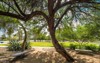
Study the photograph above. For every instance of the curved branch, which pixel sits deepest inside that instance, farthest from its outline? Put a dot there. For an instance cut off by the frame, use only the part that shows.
(16, 4)
(71, 2)
(25, 36)
(29, 16)
(12, 15)
(25, 18)
(62, 16)
(62, 5)
(10, 6)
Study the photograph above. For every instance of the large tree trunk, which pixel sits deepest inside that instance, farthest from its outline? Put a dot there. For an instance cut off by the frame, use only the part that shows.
(57, 46)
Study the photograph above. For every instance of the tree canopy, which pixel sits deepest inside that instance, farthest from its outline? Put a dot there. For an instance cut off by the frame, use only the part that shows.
(53, 11)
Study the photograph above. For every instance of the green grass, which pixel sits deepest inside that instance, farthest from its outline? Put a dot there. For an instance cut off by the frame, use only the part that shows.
(44, 44)
(49, 44)
(3, 44)
(71, 45)
(65, 44)
(41, 44)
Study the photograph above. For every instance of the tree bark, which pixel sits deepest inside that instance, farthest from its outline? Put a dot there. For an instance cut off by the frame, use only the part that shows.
(57, 46)
(25, 37)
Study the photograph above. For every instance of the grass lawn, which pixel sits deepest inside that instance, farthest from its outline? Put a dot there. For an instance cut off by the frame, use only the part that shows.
(44, 44)
(49, 44)
(41, 44)
(71, 45)
(3, 44)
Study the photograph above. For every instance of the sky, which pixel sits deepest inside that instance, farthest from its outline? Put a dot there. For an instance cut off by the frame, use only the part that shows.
(1, 33)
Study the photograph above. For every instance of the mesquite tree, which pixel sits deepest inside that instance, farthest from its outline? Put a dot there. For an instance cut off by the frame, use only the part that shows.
(26, 9)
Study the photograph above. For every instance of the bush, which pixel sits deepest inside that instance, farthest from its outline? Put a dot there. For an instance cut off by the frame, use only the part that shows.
(16, 46)
(91, 47)
(27, 46)
(99, 48)
(73, 46)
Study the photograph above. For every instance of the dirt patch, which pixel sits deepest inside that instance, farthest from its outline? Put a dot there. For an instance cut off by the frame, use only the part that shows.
(49, 55)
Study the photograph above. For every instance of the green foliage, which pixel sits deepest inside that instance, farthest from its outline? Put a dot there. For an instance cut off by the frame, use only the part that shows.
(65, 33)
(72, 46)
(85, 45)
(87, 31)
(91, 47)
(14, 46)
(99, 48)
(27, 45)
(64, 44)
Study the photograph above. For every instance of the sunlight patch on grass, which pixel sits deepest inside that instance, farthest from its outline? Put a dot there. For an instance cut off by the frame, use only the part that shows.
(3, 44)
(41, 44)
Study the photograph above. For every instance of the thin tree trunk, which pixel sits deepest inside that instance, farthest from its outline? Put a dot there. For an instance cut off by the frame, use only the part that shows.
(25, 37)
(19, 35)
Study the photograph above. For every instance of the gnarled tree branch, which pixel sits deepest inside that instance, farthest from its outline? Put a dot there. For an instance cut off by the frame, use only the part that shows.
(16, 4)
(12, 15)
(29, 16)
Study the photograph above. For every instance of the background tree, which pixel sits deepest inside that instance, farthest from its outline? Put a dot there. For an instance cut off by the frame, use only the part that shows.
(8, 26)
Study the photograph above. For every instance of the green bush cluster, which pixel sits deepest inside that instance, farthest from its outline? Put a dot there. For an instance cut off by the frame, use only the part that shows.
(91, 47)
(16, 46)
(86, 46)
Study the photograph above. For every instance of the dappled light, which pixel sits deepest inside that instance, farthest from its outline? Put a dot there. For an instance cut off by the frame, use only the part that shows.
(57, 31)
(49, 55)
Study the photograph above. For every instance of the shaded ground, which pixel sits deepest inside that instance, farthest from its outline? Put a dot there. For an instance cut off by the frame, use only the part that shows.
(49, 55)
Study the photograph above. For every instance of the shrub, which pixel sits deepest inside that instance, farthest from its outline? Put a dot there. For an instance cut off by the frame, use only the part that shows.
(65, 44)
(99, 48)
(16, 46)
(91, 47)
(73, 46)
(27, 46)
